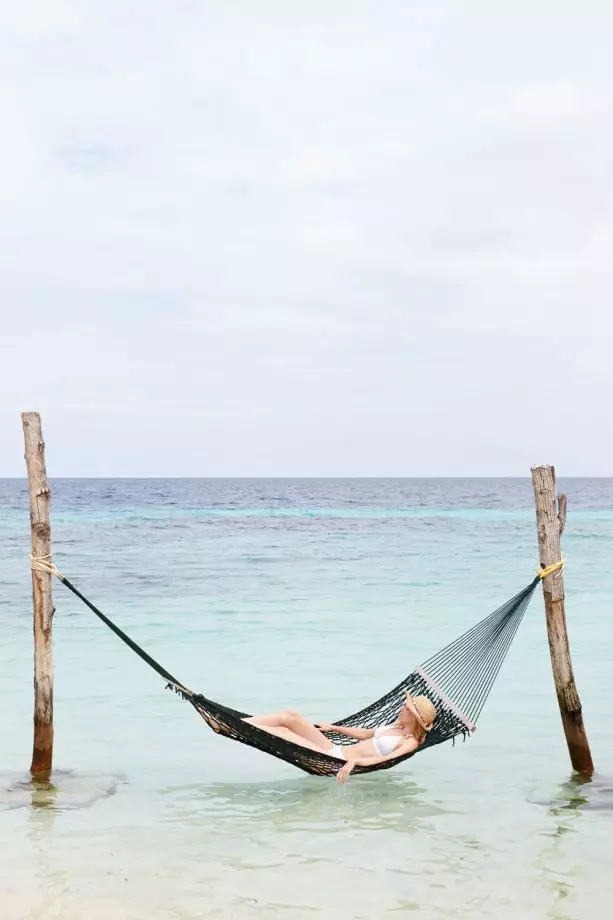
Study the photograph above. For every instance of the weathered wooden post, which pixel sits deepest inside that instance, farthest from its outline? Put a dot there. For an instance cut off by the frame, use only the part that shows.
(40, 496)
(550, 521)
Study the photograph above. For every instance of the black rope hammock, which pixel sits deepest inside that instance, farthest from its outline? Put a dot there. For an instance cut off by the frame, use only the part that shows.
(458, 680)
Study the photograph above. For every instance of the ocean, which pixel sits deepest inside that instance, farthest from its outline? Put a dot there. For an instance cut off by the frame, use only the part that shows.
(320, 595)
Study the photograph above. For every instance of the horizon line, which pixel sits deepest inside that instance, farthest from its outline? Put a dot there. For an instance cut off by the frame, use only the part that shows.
(295, 478)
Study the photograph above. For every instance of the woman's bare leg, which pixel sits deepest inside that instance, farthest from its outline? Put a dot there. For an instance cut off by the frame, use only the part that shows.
(296, 723)
(288, 735)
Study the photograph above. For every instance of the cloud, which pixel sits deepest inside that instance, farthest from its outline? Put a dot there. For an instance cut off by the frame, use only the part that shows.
(550, 101)
(359, 239)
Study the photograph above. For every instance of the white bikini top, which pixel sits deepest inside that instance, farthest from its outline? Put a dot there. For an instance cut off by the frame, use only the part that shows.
(385, 744)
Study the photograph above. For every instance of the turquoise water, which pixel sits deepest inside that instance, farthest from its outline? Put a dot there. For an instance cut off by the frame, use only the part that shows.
(321, 595)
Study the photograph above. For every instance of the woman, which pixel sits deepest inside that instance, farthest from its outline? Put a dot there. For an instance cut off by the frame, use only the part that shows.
(373, 746)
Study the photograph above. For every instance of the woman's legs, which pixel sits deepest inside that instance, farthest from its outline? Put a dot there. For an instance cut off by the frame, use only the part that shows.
(296, 723)
(288, 735)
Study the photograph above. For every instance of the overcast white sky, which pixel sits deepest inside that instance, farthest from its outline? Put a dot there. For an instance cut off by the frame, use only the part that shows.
(334, 237)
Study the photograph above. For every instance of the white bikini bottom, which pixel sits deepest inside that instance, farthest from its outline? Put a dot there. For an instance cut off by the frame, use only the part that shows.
(336, 751)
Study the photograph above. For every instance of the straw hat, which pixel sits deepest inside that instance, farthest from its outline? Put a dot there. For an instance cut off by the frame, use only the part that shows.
(423, 709)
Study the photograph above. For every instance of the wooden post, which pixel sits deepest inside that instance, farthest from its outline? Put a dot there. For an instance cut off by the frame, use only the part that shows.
(550, 521)
(40, 496)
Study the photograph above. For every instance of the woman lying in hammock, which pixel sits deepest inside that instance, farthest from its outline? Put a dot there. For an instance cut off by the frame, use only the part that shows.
(373, 746)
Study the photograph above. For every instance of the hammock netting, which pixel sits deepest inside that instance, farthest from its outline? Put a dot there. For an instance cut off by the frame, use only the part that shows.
(458, 680)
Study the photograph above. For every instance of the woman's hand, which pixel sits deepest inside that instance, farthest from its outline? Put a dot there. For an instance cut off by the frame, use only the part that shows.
(343, 774)
(325, 727)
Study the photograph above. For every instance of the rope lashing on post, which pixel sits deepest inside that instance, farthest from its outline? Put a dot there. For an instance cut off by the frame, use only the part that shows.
(45, 564)
(543, 573)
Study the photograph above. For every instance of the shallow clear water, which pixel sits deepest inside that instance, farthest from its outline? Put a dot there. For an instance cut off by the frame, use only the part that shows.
(316, 594)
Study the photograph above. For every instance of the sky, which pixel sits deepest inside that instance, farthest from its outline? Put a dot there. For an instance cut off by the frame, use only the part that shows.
(323, 238)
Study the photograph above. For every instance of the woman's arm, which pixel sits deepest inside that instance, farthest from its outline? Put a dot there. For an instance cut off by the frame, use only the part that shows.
(406, 746)
(360, 734)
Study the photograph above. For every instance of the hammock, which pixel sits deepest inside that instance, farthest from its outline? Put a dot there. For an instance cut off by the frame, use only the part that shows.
(458, 680)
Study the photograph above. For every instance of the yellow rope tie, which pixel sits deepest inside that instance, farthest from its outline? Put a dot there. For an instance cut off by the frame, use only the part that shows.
(543, 573)
(44, 564)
